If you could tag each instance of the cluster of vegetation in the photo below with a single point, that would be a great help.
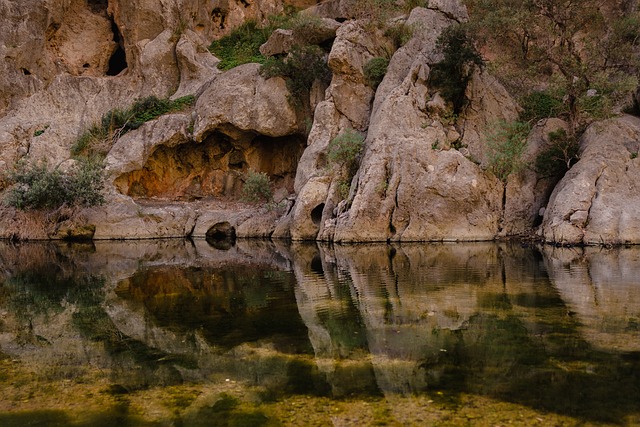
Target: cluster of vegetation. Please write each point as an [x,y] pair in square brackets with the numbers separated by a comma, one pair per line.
[506,144]
[460,57]
[257,187]
[303,66]
[99,138]
[587,61]
[36,186]
[558,155]
[344,153]
[374,71]
[344,150]
[242,45]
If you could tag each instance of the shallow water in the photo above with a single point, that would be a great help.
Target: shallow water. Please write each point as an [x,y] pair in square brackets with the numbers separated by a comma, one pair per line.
[180,333]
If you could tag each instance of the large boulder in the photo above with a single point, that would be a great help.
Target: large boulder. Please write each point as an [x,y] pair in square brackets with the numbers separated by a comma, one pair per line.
[241,101]
[315,31]
[597,201]
[411,185]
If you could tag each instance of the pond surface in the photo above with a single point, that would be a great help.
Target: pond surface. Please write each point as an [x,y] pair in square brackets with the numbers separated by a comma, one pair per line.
[180,333]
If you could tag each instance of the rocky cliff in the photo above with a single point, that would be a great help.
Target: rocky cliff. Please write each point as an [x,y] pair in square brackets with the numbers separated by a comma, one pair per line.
[423,172]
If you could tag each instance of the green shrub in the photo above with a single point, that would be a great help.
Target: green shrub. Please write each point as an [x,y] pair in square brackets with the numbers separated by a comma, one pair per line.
[303,66]
[242,46]
[453,73]
[374,71]
[99,138]
[399,34]
[345,148]
[541,105]
[505,145]
[35,186]
[557,157]
[257,187]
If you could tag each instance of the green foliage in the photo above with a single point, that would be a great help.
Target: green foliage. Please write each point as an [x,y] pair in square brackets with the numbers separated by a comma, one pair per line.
[374,71]
[452,74]
[505,145]
[345,148]
[571,45]
[257,187]
[35,186]
[559,154]
[541,105]
[399,34]
[303,66]
[40,131]
[344,187]
[99,138]
[242,46]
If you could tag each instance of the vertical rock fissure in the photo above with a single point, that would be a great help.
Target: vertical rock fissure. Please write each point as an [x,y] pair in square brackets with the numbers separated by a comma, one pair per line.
[118,60]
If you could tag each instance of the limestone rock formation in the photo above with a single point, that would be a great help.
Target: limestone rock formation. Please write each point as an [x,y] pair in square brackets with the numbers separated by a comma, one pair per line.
[408,187]
[597,200]
[316,32]
[241,101]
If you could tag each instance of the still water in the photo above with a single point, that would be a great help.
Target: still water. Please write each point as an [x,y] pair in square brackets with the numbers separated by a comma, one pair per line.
[183,333]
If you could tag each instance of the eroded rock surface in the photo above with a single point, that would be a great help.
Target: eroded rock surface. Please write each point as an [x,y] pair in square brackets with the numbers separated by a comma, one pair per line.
[597,201]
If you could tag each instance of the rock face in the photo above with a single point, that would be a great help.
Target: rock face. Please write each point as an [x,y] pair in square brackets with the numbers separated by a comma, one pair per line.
[597,201]
[421,176]
[410,185]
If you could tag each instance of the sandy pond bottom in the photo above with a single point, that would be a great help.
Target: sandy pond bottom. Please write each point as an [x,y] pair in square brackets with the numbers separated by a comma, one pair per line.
[92,401]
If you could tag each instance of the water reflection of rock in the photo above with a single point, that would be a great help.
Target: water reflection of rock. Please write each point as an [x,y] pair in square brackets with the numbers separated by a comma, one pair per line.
[601,288]
[481,318]
[64,306]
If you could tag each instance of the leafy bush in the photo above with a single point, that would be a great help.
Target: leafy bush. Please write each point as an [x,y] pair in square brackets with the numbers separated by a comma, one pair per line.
[374,71]
[505,145]
[452,74]
[303,66]
[35,186]
[257,187]
[99,138]
[541,105]
[242,46]
[345,148]
[557,157]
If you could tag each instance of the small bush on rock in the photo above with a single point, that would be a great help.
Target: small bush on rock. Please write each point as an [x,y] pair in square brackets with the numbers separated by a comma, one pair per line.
[374,71]
[257,187]
[453,73]
[558,156]
[303,66]
[35,186]
[345,148]
[541,105]
[99,138]
[242,46]
[505,145]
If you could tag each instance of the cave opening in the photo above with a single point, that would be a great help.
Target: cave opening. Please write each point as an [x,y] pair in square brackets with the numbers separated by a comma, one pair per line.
[316,214]
[118,60]
[214,168]
[98,6]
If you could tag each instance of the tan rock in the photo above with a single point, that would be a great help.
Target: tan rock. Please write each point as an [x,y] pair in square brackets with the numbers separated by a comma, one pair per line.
[240,100]
[596,202]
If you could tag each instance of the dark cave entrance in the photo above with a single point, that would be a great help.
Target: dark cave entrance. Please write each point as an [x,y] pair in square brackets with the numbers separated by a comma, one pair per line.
[118,60]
